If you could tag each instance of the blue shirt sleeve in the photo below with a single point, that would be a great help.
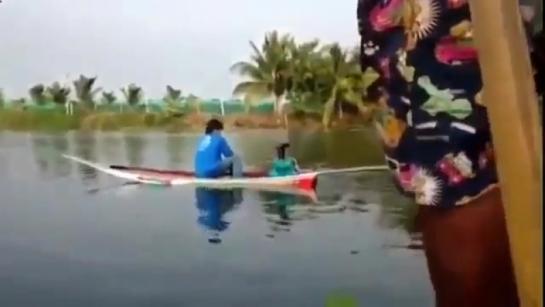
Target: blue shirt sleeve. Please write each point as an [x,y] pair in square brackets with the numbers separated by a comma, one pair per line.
[225,148]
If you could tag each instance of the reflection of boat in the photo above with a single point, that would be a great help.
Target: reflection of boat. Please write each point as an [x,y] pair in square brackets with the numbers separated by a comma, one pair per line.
[283,210]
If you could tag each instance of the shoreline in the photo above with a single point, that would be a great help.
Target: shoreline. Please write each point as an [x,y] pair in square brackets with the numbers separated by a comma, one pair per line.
[30,121]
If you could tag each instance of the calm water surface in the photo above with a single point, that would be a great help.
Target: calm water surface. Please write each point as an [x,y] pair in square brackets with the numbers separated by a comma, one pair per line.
[72,237]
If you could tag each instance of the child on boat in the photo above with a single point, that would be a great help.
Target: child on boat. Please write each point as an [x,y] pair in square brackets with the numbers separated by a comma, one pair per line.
[283,165]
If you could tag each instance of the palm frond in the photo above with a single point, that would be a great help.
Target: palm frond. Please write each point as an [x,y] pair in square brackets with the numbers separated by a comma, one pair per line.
[249,70]
[253,89]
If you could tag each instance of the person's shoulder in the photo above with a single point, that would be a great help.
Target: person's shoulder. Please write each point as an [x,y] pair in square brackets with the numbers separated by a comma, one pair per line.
[214,134]
[219,137]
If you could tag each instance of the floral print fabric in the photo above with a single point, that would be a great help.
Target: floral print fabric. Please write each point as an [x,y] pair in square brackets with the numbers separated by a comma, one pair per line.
[432,122]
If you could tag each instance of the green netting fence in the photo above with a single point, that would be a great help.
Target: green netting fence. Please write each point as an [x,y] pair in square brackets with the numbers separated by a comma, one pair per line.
[213,106]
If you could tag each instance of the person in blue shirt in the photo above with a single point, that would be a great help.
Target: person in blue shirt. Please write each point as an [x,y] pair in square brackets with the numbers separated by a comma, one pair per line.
[214,157]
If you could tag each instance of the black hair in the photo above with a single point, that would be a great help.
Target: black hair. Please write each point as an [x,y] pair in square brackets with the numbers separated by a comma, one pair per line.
[281,150]
[213,125]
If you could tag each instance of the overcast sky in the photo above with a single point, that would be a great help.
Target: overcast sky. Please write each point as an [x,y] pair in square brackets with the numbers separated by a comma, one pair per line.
[189,44]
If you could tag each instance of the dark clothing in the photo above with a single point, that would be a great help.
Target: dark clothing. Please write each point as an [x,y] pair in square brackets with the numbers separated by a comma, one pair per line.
[434,125]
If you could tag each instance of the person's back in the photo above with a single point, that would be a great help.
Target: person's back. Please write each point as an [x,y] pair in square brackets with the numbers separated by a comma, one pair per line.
[211,149]
[213,152]
[283,165]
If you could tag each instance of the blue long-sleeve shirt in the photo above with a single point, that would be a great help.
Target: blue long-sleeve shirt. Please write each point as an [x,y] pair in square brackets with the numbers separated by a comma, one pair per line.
[211,150]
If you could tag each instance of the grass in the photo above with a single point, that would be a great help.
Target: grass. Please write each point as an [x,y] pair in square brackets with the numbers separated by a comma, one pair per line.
[21,119]
[57,120]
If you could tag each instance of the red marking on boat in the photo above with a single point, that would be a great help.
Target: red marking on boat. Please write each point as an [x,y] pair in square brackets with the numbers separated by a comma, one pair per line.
[177,174]
[308,182]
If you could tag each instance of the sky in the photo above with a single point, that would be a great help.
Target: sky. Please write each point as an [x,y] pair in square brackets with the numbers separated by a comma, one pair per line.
[189,44]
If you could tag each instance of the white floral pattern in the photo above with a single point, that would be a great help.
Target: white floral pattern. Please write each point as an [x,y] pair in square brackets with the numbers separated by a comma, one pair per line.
[427,18]
[426,187]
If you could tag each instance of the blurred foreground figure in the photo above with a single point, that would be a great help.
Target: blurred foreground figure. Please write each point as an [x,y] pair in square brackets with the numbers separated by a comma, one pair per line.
[435,131]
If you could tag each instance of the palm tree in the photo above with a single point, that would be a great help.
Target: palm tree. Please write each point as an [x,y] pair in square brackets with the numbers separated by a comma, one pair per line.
[108,98]
[84,91]
[345,82]
[304,57]
[248,102]
[268,70]
[173,100]
[307,69]
[19,103]
[133,94]
[58,94]
[38,94]
[2,98]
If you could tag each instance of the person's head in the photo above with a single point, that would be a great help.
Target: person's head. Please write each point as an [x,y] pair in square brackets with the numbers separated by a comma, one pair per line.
[281,150]
[213,125]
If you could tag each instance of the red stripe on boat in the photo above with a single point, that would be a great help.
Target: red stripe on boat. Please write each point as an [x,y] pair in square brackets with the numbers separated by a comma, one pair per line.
[307,182]
[181,173]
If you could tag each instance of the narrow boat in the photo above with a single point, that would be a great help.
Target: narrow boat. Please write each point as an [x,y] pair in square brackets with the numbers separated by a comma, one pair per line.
[254,179]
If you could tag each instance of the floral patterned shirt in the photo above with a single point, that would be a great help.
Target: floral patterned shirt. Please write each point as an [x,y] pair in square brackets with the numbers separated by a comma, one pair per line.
[432,122]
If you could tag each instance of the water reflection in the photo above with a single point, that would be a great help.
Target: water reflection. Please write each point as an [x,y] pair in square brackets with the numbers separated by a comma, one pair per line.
[283,209]
[85,145]
[134,149]
[213,204]
[110,146]
[175,150]
[39,146]
[61,145]
[337,148]
[47,150]
[307,147]
[279,210]
[395,212]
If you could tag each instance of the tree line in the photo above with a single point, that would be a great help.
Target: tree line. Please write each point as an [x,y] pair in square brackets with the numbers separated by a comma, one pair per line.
[303,75]
[307,76]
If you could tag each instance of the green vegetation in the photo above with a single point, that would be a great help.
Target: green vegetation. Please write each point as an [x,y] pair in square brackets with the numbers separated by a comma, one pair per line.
[173,99]
[316,81]
[311,77]
[133,95]
[56,119]
[37,94]
[108,98]
[58,94]
[84,91]
[2,99]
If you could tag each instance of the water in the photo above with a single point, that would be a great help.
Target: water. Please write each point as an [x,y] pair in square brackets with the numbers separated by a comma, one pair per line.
[72,237]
